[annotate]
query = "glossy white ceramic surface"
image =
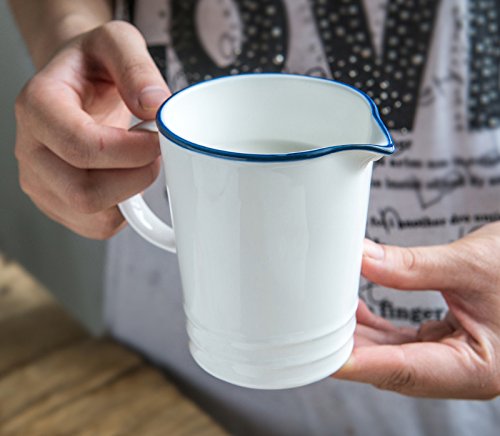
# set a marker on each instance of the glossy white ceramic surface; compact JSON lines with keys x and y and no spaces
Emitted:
{"x":269,"y":251}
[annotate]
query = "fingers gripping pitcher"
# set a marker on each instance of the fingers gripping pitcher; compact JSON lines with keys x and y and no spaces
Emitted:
{"x":268,"y":178}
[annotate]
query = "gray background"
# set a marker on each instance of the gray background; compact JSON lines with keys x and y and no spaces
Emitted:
{"x":71,"y":267}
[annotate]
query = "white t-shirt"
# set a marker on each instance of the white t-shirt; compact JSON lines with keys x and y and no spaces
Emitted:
{"x":433,"y":68}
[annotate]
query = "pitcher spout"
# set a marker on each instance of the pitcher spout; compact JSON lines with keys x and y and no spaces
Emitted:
{"x":381,"y":142}
{"x":371,"y":140}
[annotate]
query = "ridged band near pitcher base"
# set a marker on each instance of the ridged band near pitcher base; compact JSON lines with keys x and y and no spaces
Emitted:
{"x":272,"y":366}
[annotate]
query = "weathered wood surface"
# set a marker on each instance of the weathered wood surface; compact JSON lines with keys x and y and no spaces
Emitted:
{"x":55,"y":379}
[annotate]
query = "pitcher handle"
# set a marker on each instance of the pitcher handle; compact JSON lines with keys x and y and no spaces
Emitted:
{"x":141,"y":218}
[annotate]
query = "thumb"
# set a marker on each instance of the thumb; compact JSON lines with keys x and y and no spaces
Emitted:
{"x":423,"y":369}
{"x":121,"y":49}
{"x":416,"y":268}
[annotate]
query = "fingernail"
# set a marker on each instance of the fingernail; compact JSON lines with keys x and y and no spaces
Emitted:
{"x":372,"y":250}
{"x":152,"y":97}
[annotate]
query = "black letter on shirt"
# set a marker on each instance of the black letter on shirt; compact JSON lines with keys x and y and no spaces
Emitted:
{"x":393,"y":80}
{"x":484,"y":64}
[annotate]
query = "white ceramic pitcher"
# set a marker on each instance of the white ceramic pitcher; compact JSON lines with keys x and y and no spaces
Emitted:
{"x":268,"y":178}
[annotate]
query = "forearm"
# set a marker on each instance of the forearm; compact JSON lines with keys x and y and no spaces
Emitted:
{"x":47,"y":24}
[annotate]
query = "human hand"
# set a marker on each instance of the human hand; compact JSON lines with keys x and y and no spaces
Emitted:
{"x":457,"y":357}
{"x":76,"y":159}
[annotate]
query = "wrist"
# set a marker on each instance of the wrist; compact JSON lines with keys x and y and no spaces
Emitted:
{"x":48,"y":24}
{"x":65,"y":29}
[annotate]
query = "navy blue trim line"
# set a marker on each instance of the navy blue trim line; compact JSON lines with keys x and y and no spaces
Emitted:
{"x":385,"y":149}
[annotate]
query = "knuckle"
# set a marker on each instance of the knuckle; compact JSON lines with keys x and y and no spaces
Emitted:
{"x":113,"y":33}
{"x":135,"y":67}
{"x":83,"y":197}
{"x":399,"y":381}
{"x":409,"y":259}
{"x":118,"y":27}
{"x":109,"y":222}
{"x":111,"y":36}
{"x":75,"y":150}
{"x":32,"y":92}
{"x":402,"y":379}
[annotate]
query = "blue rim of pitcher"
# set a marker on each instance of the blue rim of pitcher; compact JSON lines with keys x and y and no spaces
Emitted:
{"x":385,"y":149}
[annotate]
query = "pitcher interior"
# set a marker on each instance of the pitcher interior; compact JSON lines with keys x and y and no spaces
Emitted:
{"x":271,"y":114}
